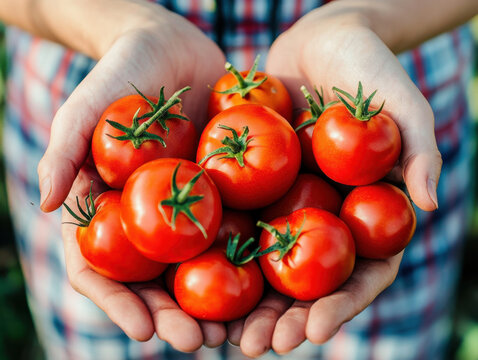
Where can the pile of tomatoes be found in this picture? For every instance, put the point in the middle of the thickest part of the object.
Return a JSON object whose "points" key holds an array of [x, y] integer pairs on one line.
{"points": [[216, 213]]}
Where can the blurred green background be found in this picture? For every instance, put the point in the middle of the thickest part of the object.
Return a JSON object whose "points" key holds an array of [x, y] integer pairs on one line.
{"points": [[17, 335]]}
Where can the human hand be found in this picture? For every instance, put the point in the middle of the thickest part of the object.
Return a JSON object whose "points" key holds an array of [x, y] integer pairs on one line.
{"points": [[281, 324], [155, 48], [139, 309]]}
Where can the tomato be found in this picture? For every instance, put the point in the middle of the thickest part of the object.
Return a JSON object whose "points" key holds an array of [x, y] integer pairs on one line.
{"points": [[170, 210], [233, 223], [308, 191], [381, 218], [313, 255], [355, 146], [249, 87], [170, 135], [216, 286], [304, 127], [251, 153], [105, 246]]}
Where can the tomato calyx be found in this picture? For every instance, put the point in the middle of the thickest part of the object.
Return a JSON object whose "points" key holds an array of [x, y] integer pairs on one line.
{"points": [[86, 216], [316, 109], [234, 148], [361, 111], [285, 241], [181, 201], [137, 133], [235, 255], [244, 84]]}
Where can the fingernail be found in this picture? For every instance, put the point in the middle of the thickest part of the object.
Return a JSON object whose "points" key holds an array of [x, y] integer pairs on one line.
{"points": [[45, 190], [432, 191]]}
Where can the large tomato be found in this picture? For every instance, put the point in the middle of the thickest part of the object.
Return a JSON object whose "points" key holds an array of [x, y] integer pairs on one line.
{"points": [[249, 87], [118, 151], [233, 223], [219, 285], [381, 218], [308, 191], [171, 210], [355, 146], [304, 126], [105, 246], [313, 255], [251, 153]]}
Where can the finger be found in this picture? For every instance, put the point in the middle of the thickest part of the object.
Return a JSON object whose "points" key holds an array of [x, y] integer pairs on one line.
{"points": [[121, 305], [214, 333], [259, 325], [370, 278], [234, 331], [73, 124], [290, 329], [172, 324]]}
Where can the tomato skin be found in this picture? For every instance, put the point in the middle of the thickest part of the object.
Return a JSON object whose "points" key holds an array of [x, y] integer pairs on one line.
{"points": [[354, 152], [305, 137], [116, 159], [321, 260], [146, 227], [209, 287], [272, 158], [106, 248], [235, 222], [271, 93], [381, 218], [308, 191]]}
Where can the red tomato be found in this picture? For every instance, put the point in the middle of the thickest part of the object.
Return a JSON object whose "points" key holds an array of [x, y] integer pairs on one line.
{"points": [[308, 191], [381, 218], [249, 87], [171, 210], [260, 161], [304, 127], [116, 159], [106, 248], [352, 150], [317, 255], [233, 223], [211, 287]]}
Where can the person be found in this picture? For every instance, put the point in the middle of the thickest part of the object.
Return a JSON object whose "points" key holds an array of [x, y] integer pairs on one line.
{"points": [[69, 60]]}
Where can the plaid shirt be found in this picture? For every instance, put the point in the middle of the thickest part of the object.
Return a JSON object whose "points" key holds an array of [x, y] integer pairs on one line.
{"points": [[410, 320]]}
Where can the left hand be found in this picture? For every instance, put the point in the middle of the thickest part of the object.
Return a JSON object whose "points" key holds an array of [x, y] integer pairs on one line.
{"points": [[281, 324]]}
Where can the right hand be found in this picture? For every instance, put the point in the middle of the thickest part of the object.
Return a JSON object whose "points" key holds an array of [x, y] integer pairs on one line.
{"points": [[163, 50]]}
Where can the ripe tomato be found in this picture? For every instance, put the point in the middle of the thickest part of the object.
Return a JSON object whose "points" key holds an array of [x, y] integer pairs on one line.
{"points": [[249, 87], [233, 223], [304, 127], [314, 253], [117, 154], [170, 209], [308, 191], [251, 153], [218, 286], [381, 218], [355, 146], [105, 246]]}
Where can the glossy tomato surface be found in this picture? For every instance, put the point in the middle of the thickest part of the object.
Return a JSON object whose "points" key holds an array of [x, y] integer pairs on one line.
{"points": [[116, 159], [271, 160], [381, 218], [106, 248], [271, 93], [149, 225], [355, 152], [235, 222], [209, 287], [321, 260], [305, 138], [308, 191]]}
